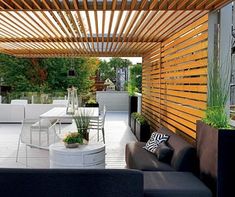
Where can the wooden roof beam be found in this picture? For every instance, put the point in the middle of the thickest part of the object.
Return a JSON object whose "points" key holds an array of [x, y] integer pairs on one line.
{"points": [[162, 5], [71, 39], [23, 54]]}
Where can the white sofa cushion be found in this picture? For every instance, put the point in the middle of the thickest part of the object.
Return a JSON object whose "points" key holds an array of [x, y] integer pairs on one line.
{"points": [[19, 102], [63, 102], [11, 113], [33, 111]]}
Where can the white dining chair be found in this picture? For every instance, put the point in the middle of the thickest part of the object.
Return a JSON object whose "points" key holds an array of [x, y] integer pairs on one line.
{"points": [[33, 137], [99, 124], [44, 126]]}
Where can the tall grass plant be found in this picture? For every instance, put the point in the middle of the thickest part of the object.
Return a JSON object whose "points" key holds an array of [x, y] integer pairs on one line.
{"points": [[217, 98]]}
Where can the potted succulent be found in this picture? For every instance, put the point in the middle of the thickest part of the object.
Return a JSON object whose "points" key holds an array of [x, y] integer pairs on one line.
{"points": [[82, 121], [142, 128], [215, 138], [134, 115], [91, 103], [72, 140]]}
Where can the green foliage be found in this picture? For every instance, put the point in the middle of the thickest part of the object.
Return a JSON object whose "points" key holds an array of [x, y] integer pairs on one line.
{"points": [[47, 75], [140, 118], [72, 138], [82, 121], [218, 90], [14, 72], [136, 74], [132, 88], [135, 82], [135, 115], [217, 117], [108, 69], [58, 68], [91, 101]]}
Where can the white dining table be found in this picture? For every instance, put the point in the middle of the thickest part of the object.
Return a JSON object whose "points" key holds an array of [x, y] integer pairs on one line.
{"points": [[59, 113]]}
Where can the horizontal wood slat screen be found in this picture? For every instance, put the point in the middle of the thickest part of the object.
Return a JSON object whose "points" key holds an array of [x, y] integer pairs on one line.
{"points": [[175, 80]]}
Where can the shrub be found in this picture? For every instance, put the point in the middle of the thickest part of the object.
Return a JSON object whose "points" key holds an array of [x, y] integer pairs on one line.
{"points": [[72, 138], [135, 115], [141, 119]]}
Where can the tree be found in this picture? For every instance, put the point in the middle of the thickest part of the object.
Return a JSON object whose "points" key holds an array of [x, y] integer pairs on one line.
{"points": [[108, 69], [135, 83], [14, 72], [47, 75]]}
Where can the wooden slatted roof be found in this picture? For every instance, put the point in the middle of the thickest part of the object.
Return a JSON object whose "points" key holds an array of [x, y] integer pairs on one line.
{"points": [[46, 28]]}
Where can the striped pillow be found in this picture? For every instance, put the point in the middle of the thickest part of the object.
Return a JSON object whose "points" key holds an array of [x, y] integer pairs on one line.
{"points": [[154, 141]]}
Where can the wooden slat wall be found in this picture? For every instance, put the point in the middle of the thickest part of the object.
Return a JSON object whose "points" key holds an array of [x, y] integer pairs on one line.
{"points": [[175, 80]]}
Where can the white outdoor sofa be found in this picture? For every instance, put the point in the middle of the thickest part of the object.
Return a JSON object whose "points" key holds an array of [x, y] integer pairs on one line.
{"points": [[15, 113]]}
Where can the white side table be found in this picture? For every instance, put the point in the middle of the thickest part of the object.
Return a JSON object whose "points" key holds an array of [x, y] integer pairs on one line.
{"points": [[85, 156]]}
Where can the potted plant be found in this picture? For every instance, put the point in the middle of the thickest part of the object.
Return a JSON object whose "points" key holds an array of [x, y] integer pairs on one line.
{"points": [[215, 138], [133, 100], [82, 121], [91, 103], [134, 115], [142, 128], [72, 140]]}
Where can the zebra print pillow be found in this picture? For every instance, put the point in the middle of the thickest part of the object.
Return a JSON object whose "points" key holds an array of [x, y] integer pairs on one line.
{"points": [[154, 141]]}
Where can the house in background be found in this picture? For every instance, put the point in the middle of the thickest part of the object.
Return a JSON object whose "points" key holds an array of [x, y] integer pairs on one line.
{"points": [[121, 78], [109, 84]]}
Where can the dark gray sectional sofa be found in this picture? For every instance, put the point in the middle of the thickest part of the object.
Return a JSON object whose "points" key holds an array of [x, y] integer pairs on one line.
{"points": [[98, 183], [173, 184], [174, 179], [155, 180], [70, 183], [183, 159]]}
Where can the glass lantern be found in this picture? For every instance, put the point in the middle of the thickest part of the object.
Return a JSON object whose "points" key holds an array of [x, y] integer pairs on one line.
{"points": [[70, 105], [75, 90]]}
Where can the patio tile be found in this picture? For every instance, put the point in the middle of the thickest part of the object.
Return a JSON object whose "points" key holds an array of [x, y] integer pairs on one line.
{"points": [[117, 134]]}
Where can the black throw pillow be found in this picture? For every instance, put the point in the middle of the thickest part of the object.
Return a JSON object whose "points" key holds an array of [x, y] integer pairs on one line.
{"points": [[164, 152]]}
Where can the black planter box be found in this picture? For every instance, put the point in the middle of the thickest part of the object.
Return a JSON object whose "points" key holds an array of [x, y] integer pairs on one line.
{"points": [[133, 100], [215, 150], [142, 132], [133, 123], [92, 105]]}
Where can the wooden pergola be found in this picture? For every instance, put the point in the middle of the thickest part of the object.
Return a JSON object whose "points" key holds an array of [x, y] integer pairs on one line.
{"points": [[53, 28]]}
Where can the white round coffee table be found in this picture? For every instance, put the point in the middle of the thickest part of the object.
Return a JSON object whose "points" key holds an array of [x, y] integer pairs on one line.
{"points": [[85, 156]]}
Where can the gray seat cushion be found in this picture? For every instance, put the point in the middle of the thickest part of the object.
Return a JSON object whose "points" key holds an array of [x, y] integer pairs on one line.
{"points": [[173, 184], [139, 158], [184, 156]]}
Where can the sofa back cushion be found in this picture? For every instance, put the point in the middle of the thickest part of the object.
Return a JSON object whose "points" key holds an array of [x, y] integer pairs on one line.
{"points": [[184, 155], [71, 182], [11, 113], [19, 102]]}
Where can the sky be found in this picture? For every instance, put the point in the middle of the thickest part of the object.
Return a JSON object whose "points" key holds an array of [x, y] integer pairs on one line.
{"points": [[134, 60]]}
